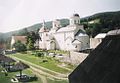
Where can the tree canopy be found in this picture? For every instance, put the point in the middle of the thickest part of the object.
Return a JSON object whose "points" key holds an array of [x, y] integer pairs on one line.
{"points": [[19, 47], [31, 40], [101, 22]]}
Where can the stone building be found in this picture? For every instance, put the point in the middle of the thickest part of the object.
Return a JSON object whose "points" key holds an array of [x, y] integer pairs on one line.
{"points": [[18, 38], [72, 37]]}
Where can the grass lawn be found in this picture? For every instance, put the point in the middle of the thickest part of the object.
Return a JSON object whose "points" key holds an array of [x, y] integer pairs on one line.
{"points": [[51, 64], [7, 79], [71, 66], [3, 78], [52, 51], [57, 81]]}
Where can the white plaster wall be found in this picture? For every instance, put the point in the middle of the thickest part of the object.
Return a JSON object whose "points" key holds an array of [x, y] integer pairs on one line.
{"points": [[60, 43], [73, 19], [69, 34], [48, 45], [43, 43], [94, 42], [61, 40], [68, 44], [12, 41], [56, 23]]}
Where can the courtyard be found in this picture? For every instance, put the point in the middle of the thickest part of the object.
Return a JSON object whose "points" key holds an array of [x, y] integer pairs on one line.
{"points": [[47, 68]]}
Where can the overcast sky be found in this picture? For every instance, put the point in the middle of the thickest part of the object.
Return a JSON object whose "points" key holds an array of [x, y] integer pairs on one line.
{"points": [[17, 14]]}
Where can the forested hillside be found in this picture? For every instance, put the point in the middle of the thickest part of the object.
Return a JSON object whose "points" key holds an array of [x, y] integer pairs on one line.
{"points": [[101, 22], [98, 23]]}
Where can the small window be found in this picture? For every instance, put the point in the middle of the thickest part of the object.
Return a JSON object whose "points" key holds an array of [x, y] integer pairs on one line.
{"points": [[75, 21], [78, 21], [76, 46], [55, 25]]}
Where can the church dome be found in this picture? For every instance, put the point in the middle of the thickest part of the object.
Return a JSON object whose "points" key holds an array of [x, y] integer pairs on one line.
{"points": [[76, 15]]}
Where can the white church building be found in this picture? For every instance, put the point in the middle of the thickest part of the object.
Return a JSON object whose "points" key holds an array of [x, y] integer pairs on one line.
{"points": [[69, 38]]}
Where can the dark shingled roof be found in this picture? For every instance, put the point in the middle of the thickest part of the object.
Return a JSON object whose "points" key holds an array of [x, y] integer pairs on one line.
{"points": [[102, 65], [2, 57], [20, 66], [5, 59]]}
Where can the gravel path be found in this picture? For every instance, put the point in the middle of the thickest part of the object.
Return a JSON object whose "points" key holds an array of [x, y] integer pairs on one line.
{"points": [[38, 70], [43, 78], [65, 68]]}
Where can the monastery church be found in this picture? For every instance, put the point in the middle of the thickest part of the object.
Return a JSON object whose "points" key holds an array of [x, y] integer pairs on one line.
{"points": [[69, 38]]}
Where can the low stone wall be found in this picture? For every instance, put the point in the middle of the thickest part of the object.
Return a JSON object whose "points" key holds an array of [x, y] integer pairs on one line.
{"points": [[77, 58], [74, 58]]}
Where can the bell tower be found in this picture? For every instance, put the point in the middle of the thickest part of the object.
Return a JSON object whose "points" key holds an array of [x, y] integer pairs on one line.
{"points": [[75, 19], [56, 23]]}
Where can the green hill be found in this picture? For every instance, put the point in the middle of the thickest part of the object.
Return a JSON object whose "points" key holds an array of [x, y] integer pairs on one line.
{"points": [[34, 27], [101, 22], [94, 24]]}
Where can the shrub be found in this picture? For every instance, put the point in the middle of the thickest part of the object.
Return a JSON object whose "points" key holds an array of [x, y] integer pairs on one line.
{"points": [[45, 60], [40, 54], [19, 47]]}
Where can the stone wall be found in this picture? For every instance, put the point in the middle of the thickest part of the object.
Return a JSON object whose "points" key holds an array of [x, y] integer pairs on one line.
{"points": [[74, 58], [77, 58]]}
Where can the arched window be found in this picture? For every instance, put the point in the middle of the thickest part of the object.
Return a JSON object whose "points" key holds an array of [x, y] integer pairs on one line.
{"points": [[78, 21], [55, 25], [74, 21]]}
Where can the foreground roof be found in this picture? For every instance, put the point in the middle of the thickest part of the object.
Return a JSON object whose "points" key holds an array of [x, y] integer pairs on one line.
{"points": [[20, 66], [102, 65]]}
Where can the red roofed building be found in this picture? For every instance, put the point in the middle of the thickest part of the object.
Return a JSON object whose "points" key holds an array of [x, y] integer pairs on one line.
{"points": [[18, 38]]}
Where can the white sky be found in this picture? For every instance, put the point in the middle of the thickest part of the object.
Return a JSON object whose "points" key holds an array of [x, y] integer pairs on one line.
{"points": [[17, 14]]}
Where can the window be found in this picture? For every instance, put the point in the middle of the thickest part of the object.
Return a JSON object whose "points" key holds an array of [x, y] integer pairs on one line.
{"points": [[74, 21], [76, 46], [55, 25], [78, 21]]}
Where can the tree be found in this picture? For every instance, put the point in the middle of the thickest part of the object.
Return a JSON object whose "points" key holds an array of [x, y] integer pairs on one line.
{"points": [[96, 29], [31, 40], [19, 47], [88, 31]]}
